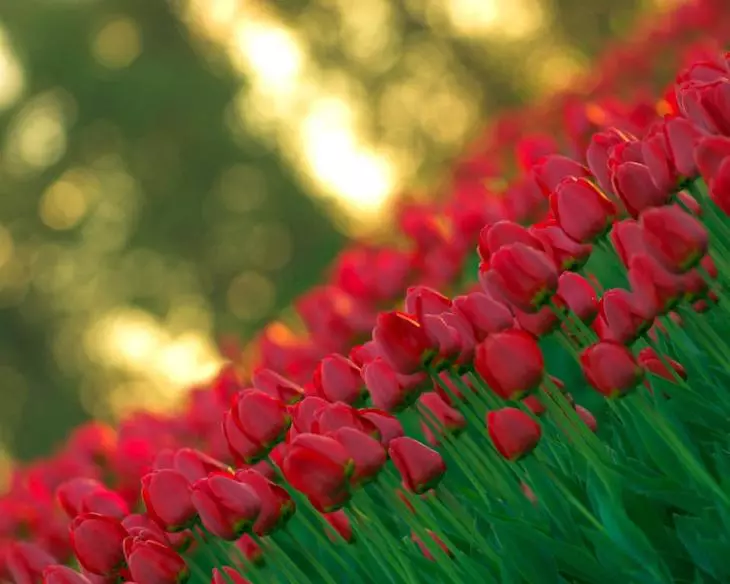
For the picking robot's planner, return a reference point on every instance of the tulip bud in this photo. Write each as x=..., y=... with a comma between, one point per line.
x=336, y=378
x=632, y=181
x=228, y=575
x=150, y=562
x=25, y=562
x=194, y=464
x=587, y=417
x=526, y=276
x=320, y=467
x=388, y=390
x=138, y=524
x=277, y=386
x=513, y=433
x=71, y=493
x=437, y=413
x=485, y=314
x=421, y=300
x=583, y=212
x=510, y=362
x=341, y=526
x=277, y=506
x=651, y=362
x=62, y=575
x=621, y=317
x=250, y=550
x=338, y=415
x=167, y=497
x=653, y=287
x=610, y=368
x=497, y=235
x=105, y=502
x=420, y=467
x=675, y=238
x=227, y=508
x=387, y=424
x=366, y=452
x=551, y=170
x=262, y=419
x=97, y=543
x=578, y=295
x=627, y=238
x=565, y=253
x=402, y=341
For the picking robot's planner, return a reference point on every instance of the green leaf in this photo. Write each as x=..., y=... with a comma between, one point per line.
x=708, y=546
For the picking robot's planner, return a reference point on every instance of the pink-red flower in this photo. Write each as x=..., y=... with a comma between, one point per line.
x=420, y=467
x=513, y=432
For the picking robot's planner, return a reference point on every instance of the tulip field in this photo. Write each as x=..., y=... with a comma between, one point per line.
x=529, y=385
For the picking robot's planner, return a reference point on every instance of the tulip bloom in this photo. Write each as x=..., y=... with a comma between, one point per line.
x=277, y=386
x=167, y=497
x=551, y=170
x=621, y=317
x=402, y=341
x=320, y=467
x=495, y=236
x=511, y=363
x=525, y=276
x=97, y=542
x=513, y=433
x=227, y=508
x=24, y=561
x=422, y=300
x=341, y=526
x=387, y=424
x=62, y=575
x=388, y=390
x=581, y=210
x=587, y=417
x=651, y=362
x=420, y=467
x=262, y=419
x=276, y=504
x=627, y=237
x=578, y=295
x=713, y=159
x=610, y=368
x=367, y=453
x=336, y=378
x=485, y=314
x=228, y=575
x=598, y=154
x=566, y=253
x=150, y=562
x=675, y=238
x=331, y=417
x=194, y=464
x=424, y=548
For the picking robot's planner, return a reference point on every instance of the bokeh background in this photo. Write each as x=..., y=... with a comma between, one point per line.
x=175, y=170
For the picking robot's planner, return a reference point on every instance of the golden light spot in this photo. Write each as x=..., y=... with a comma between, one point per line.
x=63, y=205
x=513, y=19
x=6, y=469
x=12, y=78
x=250, y=296
x=186, y=359
x=596, y=114
x=664, y=108
x=7, y=248
x=118, y=43
x=557, y=67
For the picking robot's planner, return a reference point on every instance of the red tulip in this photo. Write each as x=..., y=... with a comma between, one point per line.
x=320, y=467
x=621, y=317
x=388, y=390
x=387, y=424
x=340, y=526
x=250, y=550
x=587, y=417
x=497, y=235
x=632, y=181
x=366, y=452
x=675, y=238
x=551, y=170
x=167, y=497
x=228, y=575
x=565, y=253
x=440, y=414
x=402, y=341
x=277, y=386
x=610, y=368
x=276, y=504
x=227, y=508
x=194, y=464
x=71, y=493
x=706, y=103
x=61, y=575
x=262, y=419
x=578, y=295
x=105, y=502
x=422, y=300
x=338, y=415
x=336, y=378
x=513, y=433
x=150, y=562
x=533, y=403
x=539, y=323
x=144, y=526
x=241, y=448
x=649, y=359
x=25, y=562
x=598, y=154
x=653, y=286
x=97, y=543
x=420, y=468
x=485, y=314
x=511, y=363
x=627, y=237
x=583, y=212
x=526, y=276
x=424, y=548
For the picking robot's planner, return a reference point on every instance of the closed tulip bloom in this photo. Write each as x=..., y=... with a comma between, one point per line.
x=655, y=365
x=341, y=527
x=402, y=341
x=633, y=183
x=194, y=464
x=706, y=103
x=320, y=467
x=578, y=295
x=485, y=314
x=167, y=497
x=228, y=575
x=551, y=170
x=388, y=390
x=151, y=562
x=97, y=542
x=338, y=415
x=495, y=236
x=565, y=252
x=251, y=551
x=539, y=323
x=420, y=467
x=513, y=433
x=588, y=418
x=710, y=154
x=263, y=419
x=277, y=386
x=511, y=363
x=627, y=237
x=388, y=425
x=105, y=502
x=276, y=504
x=440, y=414
x=138, y=523
x=227, y=508
x=422, y=300
x=25, y=562
x=366, y=452
x=71, y=493
x=610, y=368
x=581, y=210
x=526, y=276
x=63, y=575
x=533, y=403
x=653, y=286
x=621, y=318
x=241, y=448
x=598, y=153
x=336, y=378
x=675, y=238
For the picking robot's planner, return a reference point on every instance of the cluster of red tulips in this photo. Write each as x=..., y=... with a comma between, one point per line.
x=563, y=417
